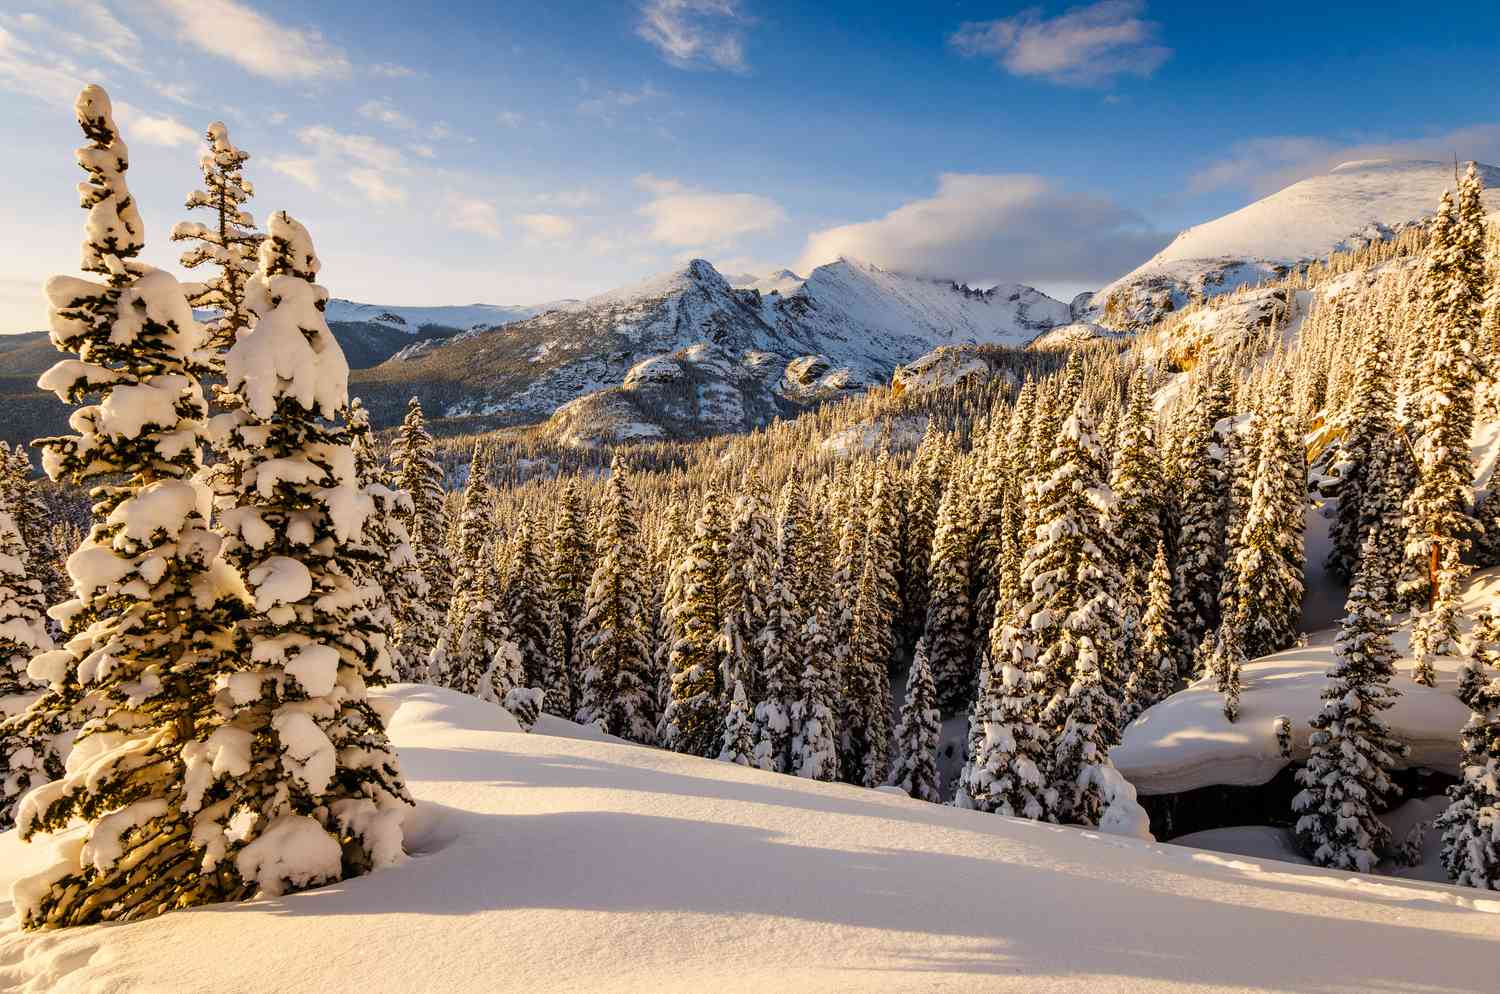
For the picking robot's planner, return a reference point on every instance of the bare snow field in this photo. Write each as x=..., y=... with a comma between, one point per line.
x=543, y=862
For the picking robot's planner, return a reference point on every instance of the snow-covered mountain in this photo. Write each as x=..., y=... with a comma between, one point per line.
x=1354, y=204
x=462, y=317
x=688, y=353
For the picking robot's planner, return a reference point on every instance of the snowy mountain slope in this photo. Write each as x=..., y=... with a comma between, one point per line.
x=1355, y=203
x=461, y=317
x=847, y=315
x=560, y=864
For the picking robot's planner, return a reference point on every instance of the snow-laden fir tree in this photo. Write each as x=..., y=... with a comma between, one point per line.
x=1268, y=563
x=23, y=634
x=949, y=630
x=1076, y=780
x=385, y=559
x=923, y=492
x=418, y=473
x=148, y=628
x=1439, y=509
x=1153, y=673
x=1368, y=423
x=299, y=784
x=523, y=606
x=1471, y=822
x=506, y=672
x=469, y=638
x=915, y=766
x=779, y=644
x=737, y=744
x=694, y=719
x=617, y=691
x=228, y=241
x=34, y=522
x=1228, y=661
x=1205, y=487
x=814, y=747
x=865, y=745
x=751, y=559
x=1346, y=781
x=568, y=580
x=1005, y=773
x=1136, y=480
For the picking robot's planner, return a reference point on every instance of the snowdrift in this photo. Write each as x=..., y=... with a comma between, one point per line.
x=544, y=862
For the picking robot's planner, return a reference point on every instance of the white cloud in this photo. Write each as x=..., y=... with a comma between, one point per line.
x=423, y=151
x=392, y=70
x=572, y=199
x=376, y=187
x=696, y=34
x=304, y=171
x=682, y=216
x=361, y=148
x=276, y=117
x=256, y=43
x=510, y=119
x=137, y=125
x=1264, y=165
x=48, y=77
x=382, y=111
x=985, y=229
x=1083, y=46
x=549, y=226
x=473, y=215
x=607, y=103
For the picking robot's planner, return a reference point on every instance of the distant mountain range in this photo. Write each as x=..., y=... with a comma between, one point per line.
x=692, y=352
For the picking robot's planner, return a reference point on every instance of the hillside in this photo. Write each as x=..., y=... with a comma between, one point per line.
x=569, y=863
x=1354, y=204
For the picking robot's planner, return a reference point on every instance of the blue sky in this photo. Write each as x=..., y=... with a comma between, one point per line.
x=520, y=152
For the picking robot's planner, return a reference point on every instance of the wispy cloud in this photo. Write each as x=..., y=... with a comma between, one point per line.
x=1084, y=46
x=604, y=105
x=375, y=162
x=154, y=129
x=983, y=228
x=1264, y=165
x=392, y=70
x=548, y=226
x=472, y=215
x=681, y=215
x=304, y=171
x=696, y=34
x=382, y=111
x=377, y=188
x=254, y=41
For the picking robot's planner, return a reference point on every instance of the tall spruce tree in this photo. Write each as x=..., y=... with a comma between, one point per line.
x=1471, y=822
x=1153, y=674
x=150, y=598
x=311, y=791
x=419, y=474
x=779, y=644
x=948, y=633
x=915, y=767
x=228, y=241
x=1369, y=421
x=568, y=580
x=814, y=747
x=24, y=763
x=1347, y=777
x=738, y=742
x=617, y=688
x=694, y=719
x=524, y=605
x=1268, y=564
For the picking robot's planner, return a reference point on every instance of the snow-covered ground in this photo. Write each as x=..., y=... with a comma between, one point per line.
x=543, y=862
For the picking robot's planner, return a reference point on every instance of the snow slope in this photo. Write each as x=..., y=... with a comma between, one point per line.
x=1354, y=204
x=543, y=863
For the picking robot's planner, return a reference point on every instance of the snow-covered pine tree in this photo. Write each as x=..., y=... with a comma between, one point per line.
x=1009, y=749
x=1439, y=509
x=694, y=719
x=1136, y=480
x=19, y=494
x=1268, y=564
x=949, y=630
x=915, y=767
x=751, y=560
x=1154, y=673
x=1204, y=507
x=299, y=785
x=779, y=644
x=567, y=583
x=737, y=745
x=23, y=634
x=1471, y=822
x=1228, y=661
x=1351, y=752
x=228, y=241
x=924, y=486
x=616, y=678
x=1368, y=423
x=418, y=473
x=524, y=605
x=384, y=558
x=151, y=601
x=814, y=748
x=1076, y=782
x=865, y=752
